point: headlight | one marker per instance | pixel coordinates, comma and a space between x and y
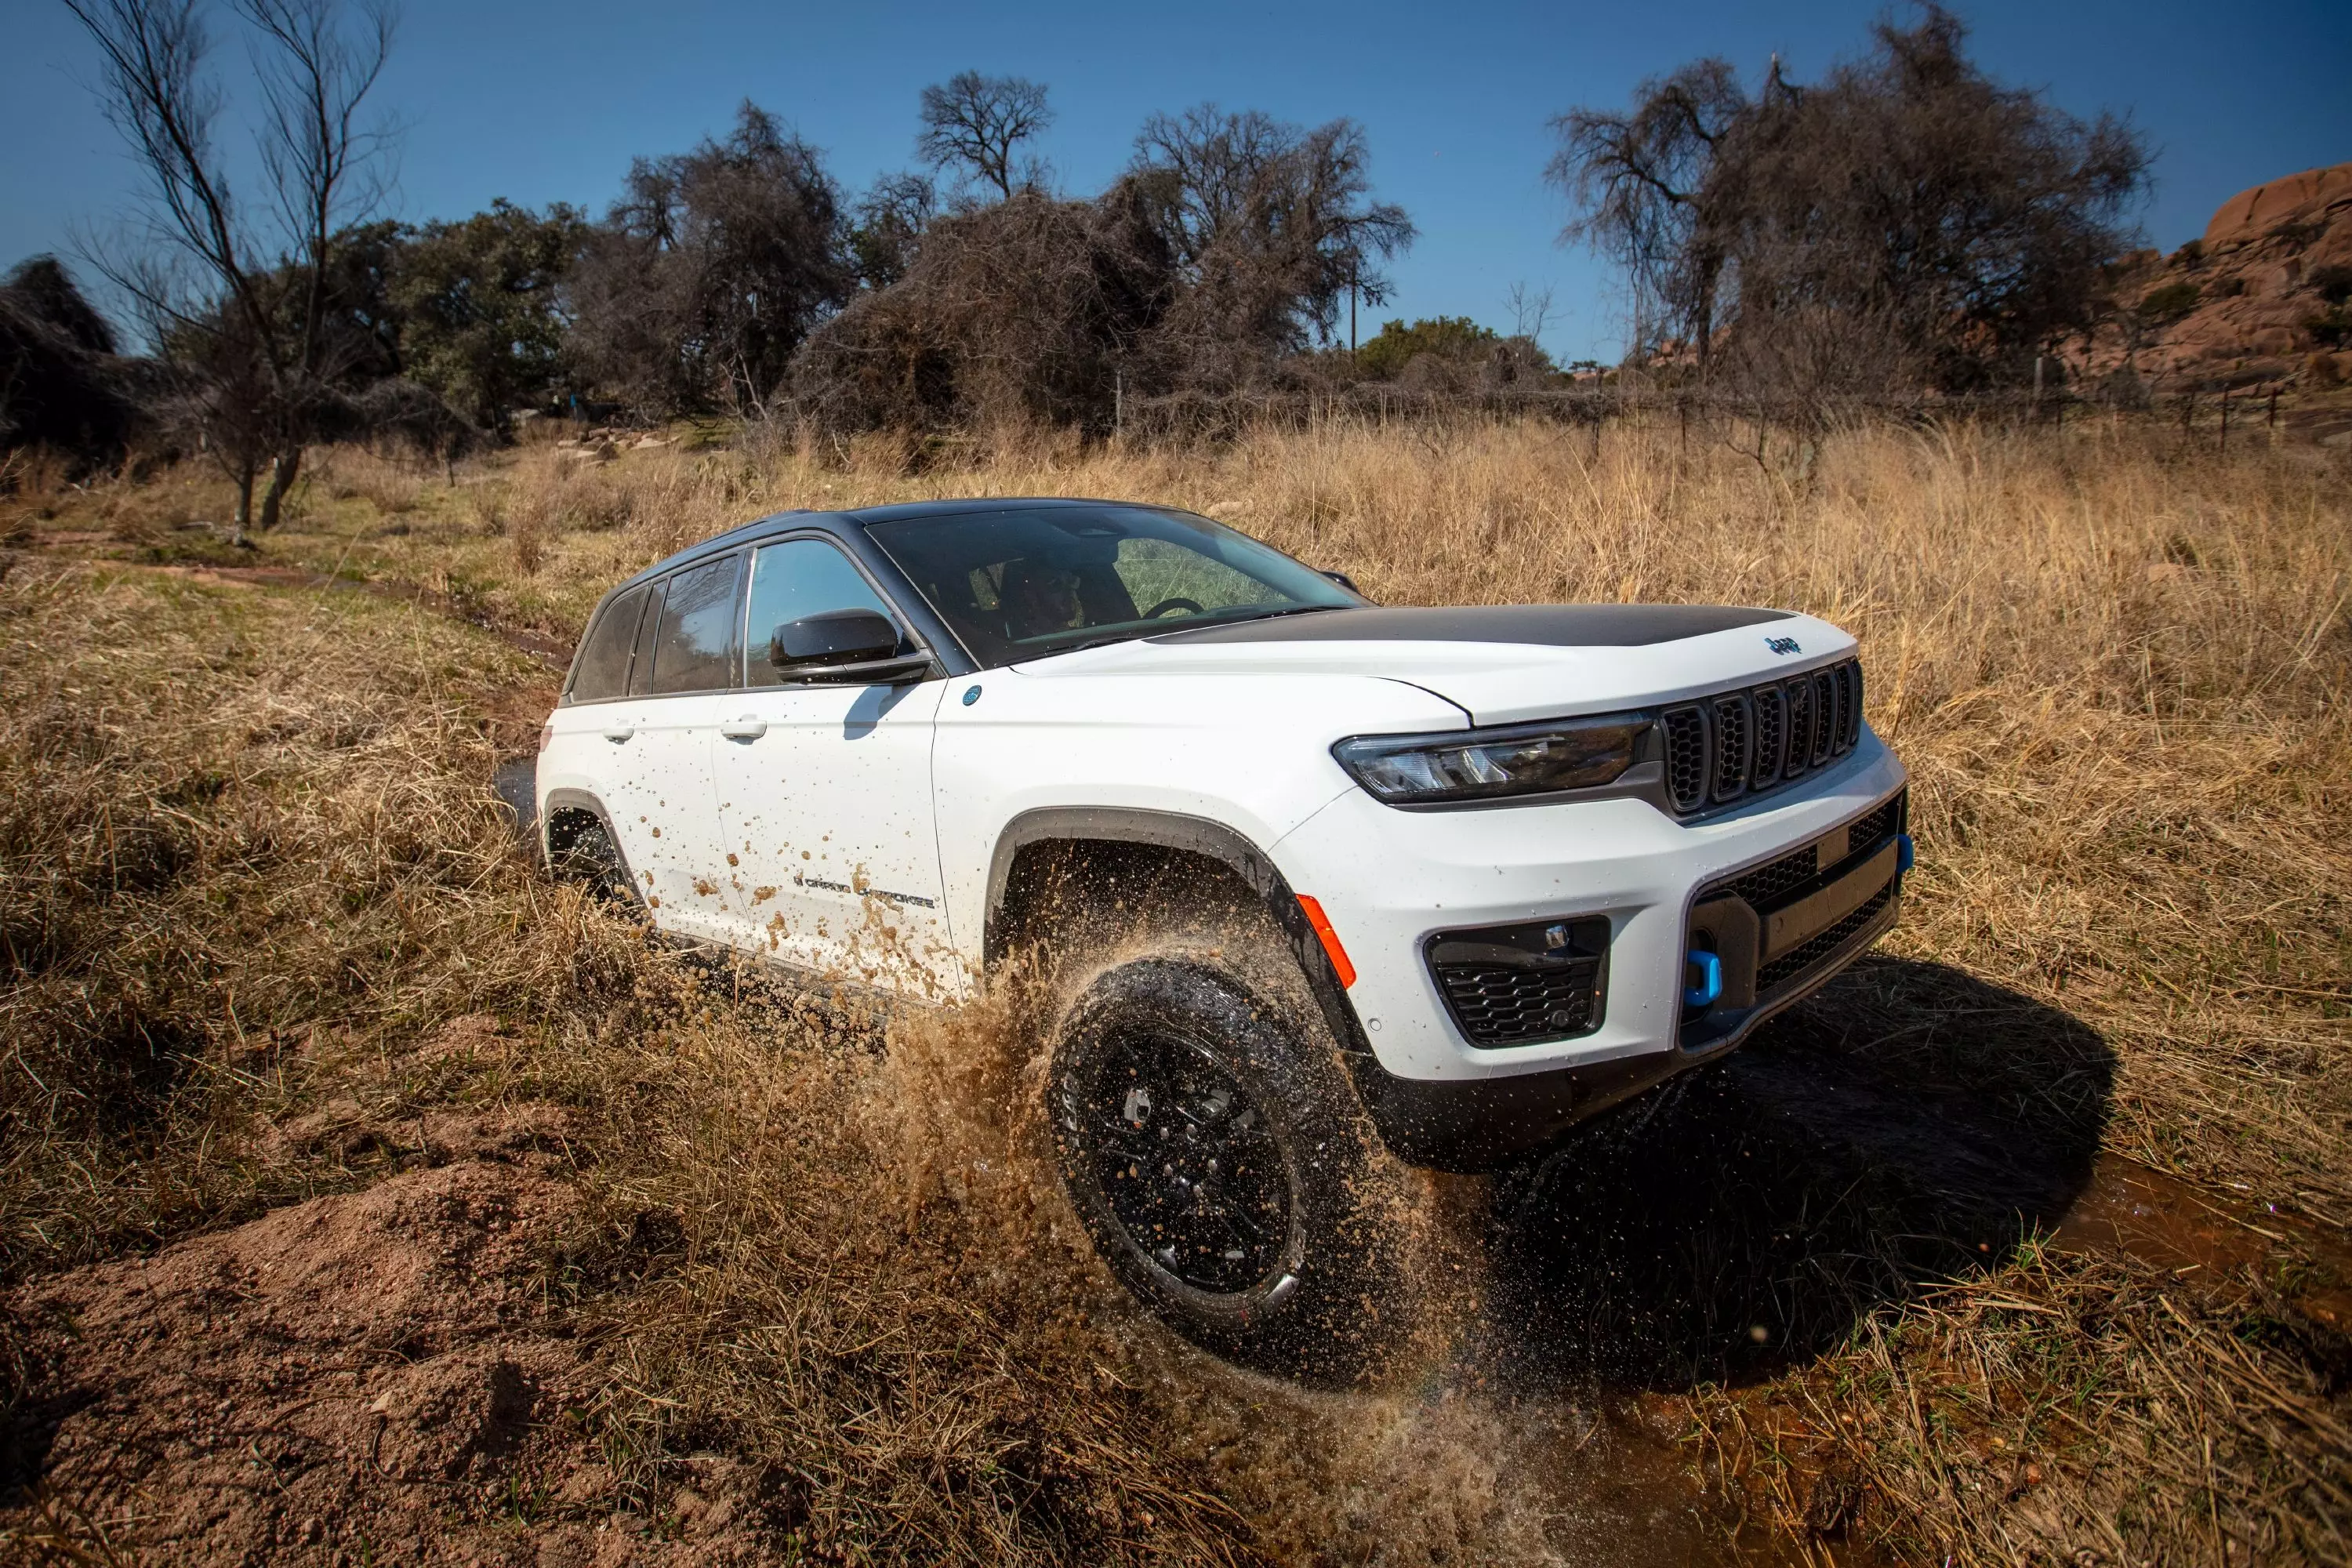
1482, 764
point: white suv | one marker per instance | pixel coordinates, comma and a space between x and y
1443, 881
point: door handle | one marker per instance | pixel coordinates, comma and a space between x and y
747, 728
616, 734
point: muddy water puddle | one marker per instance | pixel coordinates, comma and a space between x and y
2201, 1237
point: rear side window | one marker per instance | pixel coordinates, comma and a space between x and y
603, 668
694, 642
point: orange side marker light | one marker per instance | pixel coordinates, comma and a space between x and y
1330, 939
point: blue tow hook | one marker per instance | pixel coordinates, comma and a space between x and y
1705, 971
1902, 853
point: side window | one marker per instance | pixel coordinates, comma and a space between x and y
798, 577
641, 668
603, 668
694, 640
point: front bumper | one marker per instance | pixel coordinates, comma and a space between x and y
1389, 880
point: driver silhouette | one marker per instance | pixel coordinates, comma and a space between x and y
1037, 599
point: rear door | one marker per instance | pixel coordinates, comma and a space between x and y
824, 794
668, 816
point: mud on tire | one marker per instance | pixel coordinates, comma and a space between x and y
585, 853
1214, 1151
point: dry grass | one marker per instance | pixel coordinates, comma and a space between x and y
240, 824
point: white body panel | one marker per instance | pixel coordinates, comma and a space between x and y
832, 860
1622, 858
1243, 749
912, 797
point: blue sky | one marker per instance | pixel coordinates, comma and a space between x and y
540, 102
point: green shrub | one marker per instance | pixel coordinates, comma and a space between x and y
1398, 345
2167, 303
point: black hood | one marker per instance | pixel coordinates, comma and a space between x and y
1544, 626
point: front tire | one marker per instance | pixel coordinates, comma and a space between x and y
1217, 1156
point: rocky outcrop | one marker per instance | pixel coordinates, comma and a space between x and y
2262, 301
2251, 214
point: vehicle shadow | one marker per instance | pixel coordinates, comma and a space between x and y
1908, 1123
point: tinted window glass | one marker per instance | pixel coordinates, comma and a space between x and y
641, 670
798, 577
603, 668
692, 644
1019, 584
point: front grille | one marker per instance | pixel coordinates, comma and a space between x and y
1824, 717
1685, 733
1740, 742
1800, 697
1794, 963
1768, 881
1771, 736
1496, 1005
1731, 729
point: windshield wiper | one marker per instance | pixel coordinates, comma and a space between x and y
1247, 613
1134, 630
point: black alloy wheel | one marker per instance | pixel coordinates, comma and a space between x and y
1186, 1159
1213, 1147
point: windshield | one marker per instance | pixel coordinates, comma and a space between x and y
1022, 584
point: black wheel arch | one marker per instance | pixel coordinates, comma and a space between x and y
564, 813
1073, 832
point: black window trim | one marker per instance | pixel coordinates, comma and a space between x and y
596, 619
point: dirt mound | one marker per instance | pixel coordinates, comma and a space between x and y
371, 1376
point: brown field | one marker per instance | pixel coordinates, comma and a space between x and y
365, 1197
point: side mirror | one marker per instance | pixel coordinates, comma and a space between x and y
848, 644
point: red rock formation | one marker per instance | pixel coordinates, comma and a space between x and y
2259, 302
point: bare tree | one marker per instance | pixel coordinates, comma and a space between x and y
1639, 178
1904, 222
704, 279
976, 122
234, 295
887, 225
1531, 310
1270, 224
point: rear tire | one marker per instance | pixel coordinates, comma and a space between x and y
589, 856
1217, 1155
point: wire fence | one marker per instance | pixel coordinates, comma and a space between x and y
1196, 416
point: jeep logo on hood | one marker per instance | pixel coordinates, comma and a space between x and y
1782, 645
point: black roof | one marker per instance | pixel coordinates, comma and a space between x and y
849, 528
848, 525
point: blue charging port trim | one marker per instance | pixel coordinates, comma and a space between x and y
1904, 855
1710, 979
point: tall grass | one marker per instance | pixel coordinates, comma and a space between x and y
2118, 666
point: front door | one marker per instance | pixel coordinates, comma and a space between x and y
825, 795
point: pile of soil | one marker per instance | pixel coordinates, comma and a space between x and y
384, 1375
